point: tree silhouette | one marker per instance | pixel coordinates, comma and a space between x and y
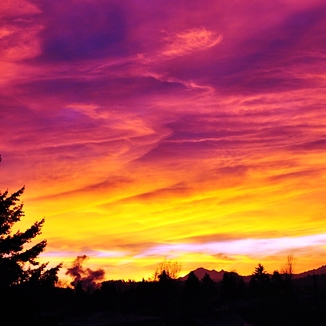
191, 294
208, 285
277, 282
192, 283
259, 281
172, 269
19, 265
232, 286
288, 268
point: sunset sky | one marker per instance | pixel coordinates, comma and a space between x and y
192, 130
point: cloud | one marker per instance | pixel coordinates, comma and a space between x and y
250, 247
135, 124
314, 146
189, 41
19, 42
88, 30
166, 192
18, 8
297, 175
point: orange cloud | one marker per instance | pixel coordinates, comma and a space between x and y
135, 147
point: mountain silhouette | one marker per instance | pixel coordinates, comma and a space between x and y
217, 276
317, 271
200, 273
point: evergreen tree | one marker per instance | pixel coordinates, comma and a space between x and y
277, 283
192, 293
260, 281
19, 265
208, 285
232, 286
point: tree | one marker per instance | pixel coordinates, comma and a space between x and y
172, 269
277, 282
232, 286
17, 264
192, 283
260, 274
208, 285
288, 267
191, 293
259, 281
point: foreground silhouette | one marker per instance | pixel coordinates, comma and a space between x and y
13, 257
232, 301
22, 278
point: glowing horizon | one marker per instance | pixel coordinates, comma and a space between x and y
143, 131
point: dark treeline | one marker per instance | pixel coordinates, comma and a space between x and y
264, 300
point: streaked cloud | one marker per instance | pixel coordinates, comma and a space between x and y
189, 41
143, 130
251, 247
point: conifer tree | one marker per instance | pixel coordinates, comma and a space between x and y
260, 281
17, 264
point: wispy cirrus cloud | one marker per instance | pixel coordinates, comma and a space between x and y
250, 247
189, 41
137, 124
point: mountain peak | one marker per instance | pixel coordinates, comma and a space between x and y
200, 273
218, 275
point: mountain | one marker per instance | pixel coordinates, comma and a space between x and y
218, 276
317, 271
200, 273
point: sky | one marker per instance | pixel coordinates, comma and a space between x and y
186, 130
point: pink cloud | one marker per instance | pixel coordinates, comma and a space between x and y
189, 41
250, 247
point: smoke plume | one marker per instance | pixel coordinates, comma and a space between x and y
88, 278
